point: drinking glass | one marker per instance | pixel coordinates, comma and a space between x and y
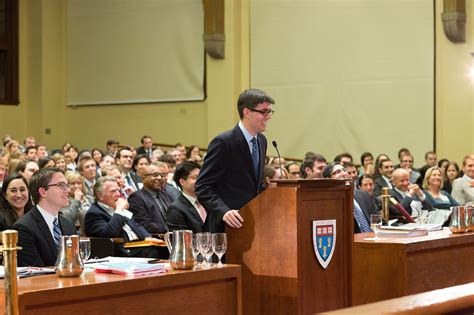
219, 246
195, 248
375, 223
85, 249
205, 247
423, 217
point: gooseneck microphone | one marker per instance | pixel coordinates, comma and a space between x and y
279, 158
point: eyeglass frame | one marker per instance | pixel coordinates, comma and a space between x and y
264, 112
61, 185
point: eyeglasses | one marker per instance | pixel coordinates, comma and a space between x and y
61, 185
264, 112
338, 171
156, 175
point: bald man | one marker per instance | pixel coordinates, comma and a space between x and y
410, 196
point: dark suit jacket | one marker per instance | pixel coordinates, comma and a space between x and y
379, 183
141, 150
405, 202
227, 179
182, 215
367, 205
36, 239
147, 212
100, 223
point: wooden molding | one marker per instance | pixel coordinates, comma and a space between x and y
454, 20
214, 35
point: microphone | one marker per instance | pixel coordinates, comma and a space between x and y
279, 157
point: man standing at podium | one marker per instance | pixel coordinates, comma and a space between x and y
232, 173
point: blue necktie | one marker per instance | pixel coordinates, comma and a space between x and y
361, 219
56, 232
255, 155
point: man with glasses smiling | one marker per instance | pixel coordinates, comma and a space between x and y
232, 173
40, 230
150, 204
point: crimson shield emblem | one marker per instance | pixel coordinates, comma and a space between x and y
324, 240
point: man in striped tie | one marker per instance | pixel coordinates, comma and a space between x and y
40, 230
363, 205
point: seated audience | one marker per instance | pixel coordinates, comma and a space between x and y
313, 165
463, 190
430, 161
73, 154
169, 186
352, 172
406, 162
410, 196
344, 157
79, 201
400, 155
87, 170
108, 217
114, 171
140, 162
272, 172
124, 159
40, 230
150, 204
293, 170
432, 184
112, 147
443, 164
384, 179
27, 169
14, 200
366, 164
46, 162
193, 154
147, 147
378, 160
41, 151
186, 213
60, 161
450, 174
363, 205
31, 153
97, 155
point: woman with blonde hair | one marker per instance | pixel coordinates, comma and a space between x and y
432, 185
79, 202
60, 161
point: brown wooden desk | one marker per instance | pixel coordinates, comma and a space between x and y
394, 267
213, 291
452, 300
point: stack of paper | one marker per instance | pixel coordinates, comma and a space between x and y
130, 268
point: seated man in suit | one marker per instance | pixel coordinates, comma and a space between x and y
40, 230
186, 213
312, 166
384, 180
150, 204
124, 160
363, 204
410, 196
109, 217
147, 146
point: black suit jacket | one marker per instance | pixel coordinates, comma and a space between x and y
405, 202
35, 237
367, 205
100, 223
141, 150
227, 179
147, 212
379, 183
182, 215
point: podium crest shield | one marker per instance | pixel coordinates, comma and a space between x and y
324, 240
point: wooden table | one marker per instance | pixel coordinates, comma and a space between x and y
394, 267
213, 291
452, 300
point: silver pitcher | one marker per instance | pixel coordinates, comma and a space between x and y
460, 219
69, 262
181, 251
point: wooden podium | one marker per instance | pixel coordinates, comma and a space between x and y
280, 271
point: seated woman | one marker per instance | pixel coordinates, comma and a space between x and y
432, 185
79, 202
14, 200
451, 173
272, 172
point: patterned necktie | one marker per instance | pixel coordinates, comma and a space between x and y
255, 155
130, 182
201, 210
361, 219
56, 232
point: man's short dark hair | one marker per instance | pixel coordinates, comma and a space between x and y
111, 141
28, 149
41, 178
168, 159
403, 151
339, 157
144, 137
119, 152
428, 153
183, 171
327, 171
383, 162
309, 162
250, 98
365, 176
